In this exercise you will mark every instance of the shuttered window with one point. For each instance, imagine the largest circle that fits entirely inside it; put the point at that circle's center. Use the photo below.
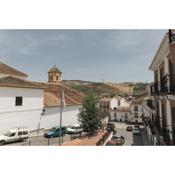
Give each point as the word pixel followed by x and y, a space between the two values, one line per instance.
pixel 18 101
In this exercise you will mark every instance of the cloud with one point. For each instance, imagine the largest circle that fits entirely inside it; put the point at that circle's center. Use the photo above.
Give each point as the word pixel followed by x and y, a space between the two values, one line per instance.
pixel 116 55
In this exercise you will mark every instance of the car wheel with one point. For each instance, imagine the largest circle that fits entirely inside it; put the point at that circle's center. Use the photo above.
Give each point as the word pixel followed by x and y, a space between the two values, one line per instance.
pixel 2 142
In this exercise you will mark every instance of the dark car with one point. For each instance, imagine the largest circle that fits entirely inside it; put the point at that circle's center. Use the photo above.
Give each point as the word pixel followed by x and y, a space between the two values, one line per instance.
pixel 55 132
pixel 110 126
pixel 129 128
pixel 136 131
pixel 137 126
pixel 120 140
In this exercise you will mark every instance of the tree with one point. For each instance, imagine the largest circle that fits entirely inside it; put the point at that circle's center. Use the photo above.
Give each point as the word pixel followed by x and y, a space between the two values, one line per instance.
pixel 89 115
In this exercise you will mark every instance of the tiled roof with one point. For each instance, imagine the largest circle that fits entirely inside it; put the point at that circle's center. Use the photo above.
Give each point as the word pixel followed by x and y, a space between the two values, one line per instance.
pixel 55 69
pixel 7 70
pixel 52 95
pixel 10 81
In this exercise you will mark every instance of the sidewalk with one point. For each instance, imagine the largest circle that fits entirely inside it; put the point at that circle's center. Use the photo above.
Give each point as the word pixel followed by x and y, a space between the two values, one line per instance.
pixel 145 139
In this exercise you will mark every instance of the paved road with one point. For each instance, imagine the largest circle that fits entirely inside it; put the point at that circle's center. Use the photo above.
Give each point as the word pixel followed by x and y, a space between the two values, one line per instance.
pixel 131 139
pixel 41 141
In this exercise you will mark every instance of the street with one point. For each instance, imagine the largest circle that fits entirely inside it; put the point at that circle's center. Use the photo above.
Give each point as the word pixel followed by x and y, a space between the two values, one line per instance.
pixel 131 139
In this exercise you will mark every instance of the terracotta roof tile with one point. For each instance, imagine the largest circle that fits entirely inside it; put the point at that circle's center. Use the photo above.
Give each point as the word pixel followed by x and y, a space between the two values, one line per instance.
pixel 10 81
pixel 52 95
pixel 7 70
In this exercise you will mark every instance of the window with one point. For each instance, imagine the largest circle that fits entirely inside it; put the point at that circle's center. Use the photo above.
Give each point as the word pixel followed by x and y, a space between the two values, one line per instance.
pixel 18 101
pixel 135 108
pixel 19 133
pixel 118 102
pixel 12 135
pixel 136 115
pixel 25 132
pixel 57 77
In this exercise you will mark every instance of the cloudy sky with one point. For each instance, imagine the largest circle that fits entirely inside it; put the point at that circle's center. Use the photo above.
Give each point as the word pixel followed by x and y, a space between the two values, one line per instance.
pixel 95 55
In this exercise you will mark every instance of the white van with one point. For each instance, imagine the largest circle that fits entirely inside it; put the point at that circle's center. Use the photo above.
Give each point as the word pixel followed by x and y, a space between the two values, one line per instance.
pixel 16 134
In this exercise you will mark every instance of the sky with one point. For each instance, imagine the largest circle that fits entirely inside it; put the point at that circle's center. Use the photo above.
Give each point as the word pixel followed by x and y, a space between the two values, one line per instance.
pixel 93 55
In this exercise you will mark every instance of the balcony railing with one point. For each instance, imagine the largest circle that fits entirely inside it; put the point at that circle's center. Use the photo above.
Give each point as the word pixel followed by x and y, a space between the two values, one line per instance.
pixel 172 84
pixel 150 104
pixel 166 137
pixel 164 84
pixel 155 88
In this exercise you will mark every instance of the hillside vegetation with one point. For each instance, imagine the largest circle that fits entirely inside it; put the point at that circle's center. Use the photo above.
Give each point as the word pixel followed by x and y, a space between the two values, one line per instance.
pixel 107 89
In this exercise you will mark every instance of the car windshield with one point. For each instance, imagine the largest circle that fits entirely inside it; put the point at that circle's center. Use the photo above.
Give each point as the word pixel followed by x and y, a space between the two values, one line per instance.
pixel 73 127
pixel 53 129
pixel 7 133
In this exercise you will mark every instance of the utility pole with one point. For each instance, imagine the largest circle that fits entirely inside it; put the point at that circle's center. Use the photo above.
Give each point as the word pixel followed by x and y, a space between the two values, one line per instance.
pixel 61 110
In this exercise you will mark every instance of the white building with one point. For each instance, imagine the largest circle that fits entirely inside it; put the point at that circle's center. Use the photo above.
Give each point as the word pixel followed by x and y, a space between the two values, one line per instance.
pixel 32 104
pixel 163 90
pixel 121 114
pixel 120 109
pixel 136 111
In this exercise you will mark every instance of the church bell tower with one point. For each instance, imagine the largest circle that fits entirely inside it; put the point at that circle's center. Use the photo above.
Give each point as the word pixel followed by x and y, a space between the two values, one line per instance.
pixel 54 75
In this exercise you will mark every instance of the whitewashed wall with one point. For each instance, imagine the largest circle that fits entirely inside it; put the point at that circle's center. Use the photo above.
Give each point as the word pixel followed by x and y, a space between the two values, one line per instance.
pixel 32 99
pixel 140 112
pixel 114 103
pixel 28 119
pixel 26 115
pixel 52 116
pixel 120 115
pixel 32 118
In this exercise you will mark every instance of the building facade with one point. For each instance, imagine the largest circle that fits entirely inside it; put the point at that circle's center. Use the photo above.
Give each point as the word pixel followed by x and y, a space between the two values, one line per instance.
pixel 163 93
pixel 121 110
pixel 136 111
pixel 34 105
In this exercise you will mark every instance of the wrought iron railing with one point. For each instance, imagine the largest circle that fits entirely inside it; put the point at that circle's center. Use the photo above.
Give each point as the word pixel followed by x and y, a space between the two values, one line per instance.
pixel 172 84
pixel 164 84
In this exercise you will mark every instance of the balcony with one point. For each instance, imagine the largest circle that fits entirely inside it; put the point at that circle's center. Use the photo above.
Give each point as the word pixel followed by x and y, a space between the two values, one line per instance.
pixel 154 88
pixel 164 84
pixel 149 103
pixel 172 84
pixel 166 137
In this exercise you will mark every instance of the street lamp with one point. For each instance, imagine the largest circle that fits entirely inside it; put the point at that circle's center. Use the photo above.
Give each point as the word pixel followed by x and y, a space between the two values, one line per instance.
pixel 42 114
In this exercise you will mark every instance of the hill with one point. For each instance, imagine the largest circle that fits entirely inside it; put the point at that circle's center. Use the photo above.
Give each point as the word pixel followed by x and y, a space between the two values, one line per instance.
pixel 107 89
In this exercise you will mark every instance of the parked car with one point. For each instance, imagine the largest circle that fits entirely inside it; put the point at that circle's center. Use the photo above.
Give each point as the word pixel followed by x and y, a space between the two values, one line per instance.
pixel 110 126
pixel 111 143
pixel 120 140
pixel 137 126
pixel 55 132
pixel 75 129
pixel 14 135
pixel 129 128
pixel 136 131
